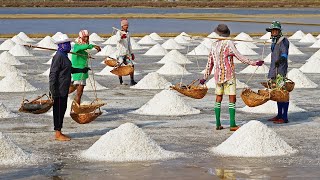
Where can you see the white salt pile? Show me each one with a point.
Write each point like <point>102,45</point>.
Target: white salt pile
<point>200,50</point>
<point>19,50</point>
<point>314,45</point>
<point>268,59</point>
<point>90,86</point>
<point>95,37</point>
<point>46,73</point>
<point>182,40</point>
<point>111,41</point>
<point>156,50</point>
<point>135,45</point>
<point>8,58</point>
<point>11,154</point>
<point>248,44</point>
<point>311,66</point>
<point>318,37</point>
<point>300,80</point>
<point>172,68</point>
<point>106,51</point>
<point>308,39</point>
<point>25,37</point>
<point>152,81</point>
<point>47,42</point>
<point>251,69</point>
<point>147,40</point>
<point>293,50</point>
<point>208,42</point>
<point>49,61</point>
<point>156,37</point>
<point>127,143</point>
<point>175,56</point>
<point>166,103</point>
<point>56,36</point>
<point>16,39</point>
<point>254,139</point>
<point>7,69</point>
<point>105,71</point>
<point>297,35</point>
<point>6,113</point>
<point>245,50</point>
<point>243,36</point>
<point>13,82</point>
<point>270,107</point>
<point>211,84</point>
<point>213,35</point>
<point>172,44</point>
<point>266,36</point>
<point>7,45</point>
<point>185,36</point>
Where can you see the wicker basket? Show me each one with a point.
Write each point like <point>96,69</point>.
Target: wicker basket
<point>85,117</point>
<point>196,92</point>
<point>276,94</point>
<point>36,106</point>
<point>110,62</point>
<point>122,70</point>
<point>72,88</point>
<point>289,86</point>
<point>81,109</point>
<point>253,99</point>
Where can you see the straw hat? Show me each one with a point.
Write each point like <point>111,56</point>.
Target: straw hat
<point>62,39</point>
<point>222,30</point>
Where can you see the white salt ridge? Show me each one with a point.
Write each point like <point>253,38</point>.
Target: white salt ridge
<point>213,35</point>
<point>156,50</point>
<point>46,73</point>
<point>156,37</point>
<point>135,45</point>
<point>316,44</point>
<point>251,69</point>
<point>111,41</point>
<point>211,84</point>
<point>106,51</point>
<point>270,107</point>
<point>200,50</point>
<point>172,68</point>
<point>166,103</point>
<point>19,50</point>
<point>152,81</point>
<point>243,36</point>
<point>13,82</point>
<point>89,86</point>
<point>47,42</point>
<point>6,113</point>
<point>105,71</point>
<point>125,144</point>
<point>182,40</point>
<point>245,50</point>
<point>8,58</point>
<point>254,139</point>
<point>300,80</point>
<point>268,59</point>
<point>297,35</point>
<point>248,44</point>
<point>293,50</point>
<point>311,66</point>
<point>7,45</point>
<point>175,56</point>
<point>318,37</point>
<point>25,37</point>
<point>266,36</point>
<point>147,40</point>
<point>7,69</point>
<point>207,42</point>
<point>308,39</point>
<point>56,36</point>
<point>49,61</point>
<point>95,37</point>
<point>18,40</point>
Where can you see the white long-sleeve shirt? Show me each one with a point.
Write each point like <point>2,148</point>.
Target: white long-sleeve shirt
<point>123,45</point>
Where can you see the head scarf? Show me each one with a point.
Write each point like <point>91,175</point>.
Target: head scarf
<point>64,48</point>
<point>82,34</point>
<point>124,22</point>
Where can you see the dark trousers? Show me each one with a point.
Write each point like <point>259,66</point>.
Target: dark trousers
<point>59,109</point>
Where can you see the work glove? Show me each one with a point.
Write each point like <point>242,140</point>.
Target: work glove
<point>123,36</point>
<point>132,56</point>
<point>97,48</point>
<point>259,63</point>
<point>202,81</point>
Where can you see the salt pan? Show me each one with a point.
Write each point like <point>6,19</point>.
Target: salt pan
<point>172,68</point>
<point>152,81</point>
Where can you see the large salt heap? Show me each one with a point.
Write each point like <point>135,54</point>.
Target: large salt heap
<point>47,42</point>
<point>166,103</point>
<point>16,39</point>
<point>156,50</point>
<point>300,80</point>
<point>207,42</point>
<point>270,107</point>
<point>135,45</point>
<point>152,81</point>
<point>6,113</point>
<point>172,44</point>
<point>254,139</point>
<point>266,36</point>
<point>111,41</point>
<point>106,51</point>
<point>127,143</point>
<point>7,45</point>
<point>255,69</point>
<point>156,37</point>
<point>56,36</point>
<point>7,69</point>
<point>174,56</point>
<point>8,58</point>
<point>316,44</point>
<point>311,66</point>
<point>248,44</point>
<point>308,39</point>
<point>293,50</point>
<point>147,40</point>
<point>243,36</point>
<point>13,82</point>
<point>182,40</point>
<point>91,84</point>
<point>200,50</point>
<point>213,35</point>
<point>245,50</point>
<point>297,35</point>
<point>185,36</point>
<point>172,68</point>
<point>95,37</point>
<point>25,37</point>
<point>19,50</point>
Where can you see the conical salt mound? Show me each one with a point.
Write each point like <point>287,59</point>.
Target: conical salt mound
<point>254,139</point>
<point>245,50</point>
<point>268,59</point>
<point>318,37</point>
<point>314,45</point>
<point>8,58</point>
<point>56,36</point>
<point>152,81</point>
<point>105,71</point>
<point>13,82</point>
<point>16,39</point>
<point>182,40</point>
<point>106,51</point>
<point>270,107</point>
<point>207,42</point>
<point>212,84</point>
<point>7,45</point>
<point>266,36</point>
<point>19,50</point>
<point>95,37</point>
<point>243,36</point>
<point>213,35</point>
<point>89,86</point>
<point>135,45</point>
<point>300,80</point>
<point>297,35</point>
<point>25,37</point>
<point>200,50</point>
<point>172,68</point>
<point>47,42</point>
<point>166,103</point>
<point>308,39</point>
<point>127,143</point>
<point>252,69</point>
<point>147,40</point>
<point>46,73</point>
<point>111,41</point>
<point>311,66</point>
<point>248,44</point>
<point>156,37</point>
<point>6,113</point>
<point>49,61</point>
<point>293,50</point>
<point>174,56</point>
<point>7,69</point>
<point>156,50</point>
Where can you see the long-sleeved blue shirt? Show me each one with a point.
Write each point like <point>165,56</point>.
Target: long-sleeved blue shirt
<point>278,50</point>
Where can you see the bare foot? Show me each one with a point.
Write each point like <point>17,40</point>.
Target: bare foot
<point>61,137</point>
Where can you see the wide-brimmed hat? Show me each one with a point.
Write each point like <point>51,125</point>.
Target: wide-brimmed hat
<point>62,39</point>
<point>222,30</point>
<point>274,25</point>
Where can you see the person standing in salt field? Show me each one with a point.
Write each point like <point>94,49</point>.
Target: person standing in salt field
<point>124,49</point>
<point>221,59</point>
<point>80,47</point>
<point>279,66</point>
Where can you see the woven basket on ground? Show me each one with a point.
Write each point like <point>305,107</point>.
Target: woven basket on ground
<point>85,117</point>
<point>36,106</point>
<point>278,95</point>
<point>80,109</point>
<point>110,62</point>
<point>122,70</point>
<point>191,90</point>
<point>289,86</point>
<point>253,99</point>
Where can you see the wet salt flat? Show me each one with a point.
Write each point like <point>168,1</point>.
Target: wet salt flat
<point>193,135</point>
